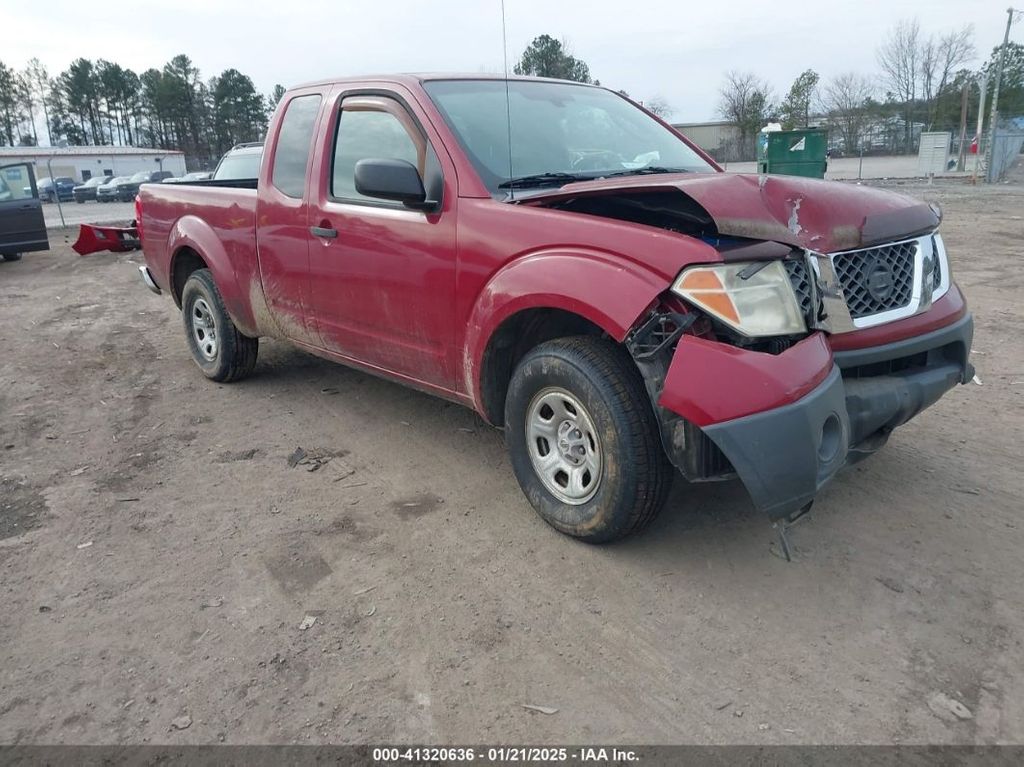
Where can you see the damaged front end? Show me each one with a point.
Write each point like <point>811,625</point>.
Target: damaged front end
<point>737,356</point>
<point>653,345</point>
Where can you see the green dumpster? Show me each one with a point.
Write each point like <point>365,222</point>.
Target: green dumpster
<point>793,152</point>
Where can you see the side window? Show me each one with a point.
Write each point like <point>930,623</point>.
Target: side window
<point>293,142</point>
<point>377,128</point>
<point>16,183</point>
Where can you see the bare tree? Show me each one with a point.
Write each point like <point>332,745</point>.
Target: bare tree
<point>900,60</point>
<point>844,100</point>
<point>39,81</point>
<point>659,106</point>
<point>746,100</point>
<point>940,57</point>
<point>27,98</point>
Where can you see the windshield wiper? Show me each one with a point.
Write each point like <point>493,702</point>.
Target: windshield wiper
<point>537,179</point>
<point>644,171</point>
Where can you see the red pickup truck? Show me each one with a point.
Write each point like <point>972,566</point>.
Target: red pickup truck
<point>580,274</point>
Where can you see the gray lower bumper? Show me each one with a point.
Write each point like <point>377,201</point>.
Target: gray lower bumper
<point>786,455</point>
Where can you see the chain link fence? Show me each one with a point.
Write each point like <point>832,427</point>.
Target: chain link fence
<point>1005,152</point>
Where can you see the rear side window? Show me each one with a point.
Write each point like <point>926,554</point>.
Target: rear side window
<point>293,142</point>
<point>372,128</point>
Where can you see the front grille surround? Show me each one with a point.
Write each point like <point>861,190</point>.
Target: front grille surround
<point>857,268</point>
<point>835,290</point>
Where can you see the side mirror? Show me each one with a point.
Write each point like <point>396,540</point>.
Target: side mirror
<point>392,180</point>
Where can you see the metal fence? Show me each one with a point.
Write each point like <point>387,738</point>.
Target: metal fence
<point>1006,152</point>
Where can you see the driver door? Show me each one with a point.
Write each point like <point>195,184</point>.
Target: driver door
<point>382,276</point>
<point>22,227</point>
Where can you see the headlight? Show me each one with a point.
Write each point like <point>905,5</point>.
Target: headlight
<point>755,299</point>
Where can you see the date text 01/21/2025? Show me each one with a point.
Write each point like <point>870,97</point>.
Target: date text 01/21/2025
<point>524,754</point>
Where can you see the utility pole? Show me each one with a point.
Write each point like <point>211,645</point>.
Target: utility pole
<point>983,86</point>
<point>961,156</point>
<point>994,116</point>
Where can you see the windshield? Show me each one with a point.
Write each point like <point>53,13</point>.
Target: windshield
<point>117,180</point>
<point>556,128</point>
<point>141,176</point>
<point>96,181</point>
<point>245,164</point>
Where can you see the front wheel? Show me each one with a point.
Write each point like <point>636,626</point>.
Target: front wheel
<point>583,439</point>
<point>12,256</point>
<point>218,348</point>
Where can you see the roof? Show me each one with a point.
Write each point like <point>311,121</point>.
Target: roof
<point>415,78</point>
<point>253,148</point>
<point>82,151</point>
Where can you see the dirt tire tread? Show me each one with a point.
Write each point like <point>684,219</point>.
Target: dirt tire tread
<point>608,366</point>
<point>238,352</point>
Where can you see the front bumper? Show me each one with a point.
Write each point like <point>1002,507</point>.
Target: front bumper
<point>784,455</point>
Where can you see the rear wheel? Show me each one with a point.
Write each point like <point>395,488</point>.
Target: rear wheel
<point>584,441</point>
<point>12,256</point>
<point>217,346</point>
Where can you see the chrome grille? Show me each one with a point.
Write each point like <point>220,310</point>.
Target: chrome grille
<point>877,279</point>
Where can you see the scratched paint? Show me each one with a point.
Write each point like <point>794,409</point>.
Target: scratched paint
<point>794,216</point>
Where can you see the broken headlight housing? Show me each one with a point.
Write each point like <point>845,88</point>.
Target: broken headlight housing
<point>755,299</point>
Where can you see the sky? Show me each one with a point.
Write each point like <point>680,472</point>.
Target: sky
<point>674,49</point>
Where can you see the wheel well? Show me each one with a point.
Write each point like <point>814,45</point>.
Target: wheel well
<point>185,262</point>
<point>510,343</point>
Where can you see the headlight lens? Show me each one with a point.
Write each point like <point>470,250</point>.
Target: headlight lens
<point>753,301</point>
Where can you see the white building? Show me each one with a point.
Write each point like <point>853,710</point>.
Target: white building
<point>83,162</point>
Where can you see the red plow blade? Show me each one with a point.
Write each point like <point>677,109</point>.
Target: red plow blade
<point>96,239</point>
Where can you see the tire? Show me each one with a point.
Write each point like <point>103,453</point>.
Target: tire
<point>12,256</point>
<point>593,385</point>
<point>224,354</point>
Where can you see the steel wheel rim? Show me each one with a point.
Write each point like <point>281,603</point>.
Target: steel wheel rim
<point>564,446</point>
<point>204,329</point>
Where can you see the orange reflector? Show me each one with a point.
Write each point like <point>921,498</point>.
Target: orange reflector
<point>700,280</point>
<point>706,289</point>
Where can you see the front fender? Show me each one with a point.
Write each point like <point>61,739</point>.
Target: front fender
<point>612,293</point>
<point>191,232</point>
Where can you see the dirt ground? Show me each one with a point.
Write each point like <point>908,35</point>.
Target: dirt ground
<point>159,554</point>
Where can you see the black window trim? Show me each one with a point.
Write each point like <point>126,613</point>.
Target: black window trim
<point>371,202</point>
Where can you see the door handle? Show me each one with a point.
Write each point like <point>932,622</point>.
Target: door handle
<point>323,231</point>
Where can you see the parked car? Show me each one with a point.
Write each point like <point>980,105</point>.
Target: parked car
<point>199,175</point>
<point>590,281</point>
<point>22,226</point>
<point>108,192</point>
<point>51,189</point>
<point>87,191</point>
<point>242,161</point>
<point>126,190</point>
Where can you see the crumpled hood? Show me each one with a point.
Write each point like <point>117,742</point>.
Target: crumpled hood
<point>823,216</point>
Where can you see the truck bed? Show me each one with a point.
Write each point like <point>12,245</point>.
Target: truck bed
<point>230,183</point>
<point>218,219</point>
